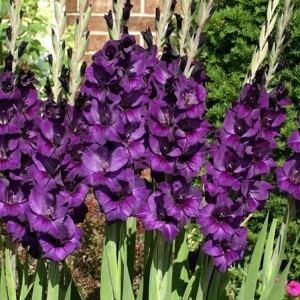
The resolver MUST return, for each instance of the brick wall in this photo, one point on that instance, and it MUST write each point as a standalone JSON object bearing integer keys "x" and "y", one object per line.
{"x": 142, "y": 17}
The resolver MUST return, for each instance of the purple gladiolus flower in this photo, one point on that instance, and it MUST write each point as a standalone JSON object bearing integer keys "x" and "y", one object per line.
{"x": 120, "y": 204}
{"x": 181, "y": 200}
{"x": 10, "y": 154}
{"x": 100, "y": 161}
{"x": 8, "y": 90}
{"x": 288, "y": 177}
{"x": 154, "y": 215}
{"x": 58, "y": 249}
{"x": 220, "y": 219}
{"x": 227, "y": 251}
{"x": 13, "y": 198}
{"x": 294, "y": 141}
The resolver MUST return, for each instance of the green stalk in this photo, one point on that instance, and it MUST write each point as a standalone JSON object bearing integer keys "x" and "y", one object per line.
{"x": 10, "y": 269}
{"x": 53, "y": 282}
{"x": 160, "y": 282}
{"x": 180, "y": 278}
{"x": 115, "y": 276}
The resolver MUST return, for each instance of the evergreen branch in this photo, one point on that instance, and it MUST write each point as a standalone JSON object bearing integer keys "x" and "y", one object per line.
{"x": 80, "y": 46}
{"x": 260, "y": 52}
{"x": 58, "y": 46}
{"x": 280, "y": 41}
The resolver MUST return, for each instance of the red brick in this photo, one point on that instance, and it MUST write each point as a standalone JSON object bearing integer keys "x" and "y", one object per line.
{"x": 96, "y": 42}
{"x": 150, "y": 6}
{"x": 71, "y": 5}
{"x": 97, "y": 23}
{"x": 101, "y": 6}
{"x": 136, "y": 6}
{"x": 140, "y": 23}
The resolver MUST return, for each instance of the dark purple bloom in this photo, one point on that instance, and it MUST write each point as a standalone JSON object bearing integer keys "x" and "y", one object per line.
{"x": 161, "y": 120}
{"x": 105, "y": 121}
{"x": 100, "y": 161}
{"x": 190, "y": 132}
{"x": 8, "y": 90}
{"x": 227, "y": 251}
{"x": 154, "y": 215}
{"x": 163, "y": 154}
{"x": 58, "y": 249}
{"x": 10, "y": 154}
{"x": 13, "y": 198}
{"x": 220, "y": 219}
{"x": 47, "y": 211}
{"x": 190, "y": 162}
{"x": 190, "y": 98}
{"x": 255, "y": 194}
{"x": 288, "y": 177}
{"x": 294, "y": 141}
{"x": 120, "y": 204}
{"x": 227, "y": 168}
{"x": 54, "y": 139}
{"x": 182, "y": 200}
{"x": 9, "y": 120}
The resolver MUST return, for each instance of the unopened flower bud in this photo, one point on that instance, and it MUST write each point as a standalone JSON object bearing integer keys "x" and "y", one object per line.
{"x": 50, "y": 59}
{"x": 179, "y": 20}
{"x": 70, "y": 52}
{"x": 22, "y": 48}
{"x": 109, "y": 19}
{"x": 147, "y": 36}
{"x": 157, "y": 14}
{"x": 9, "y": 32}
{"x": 126, "y": 10}
{"x": 83, "y": 68}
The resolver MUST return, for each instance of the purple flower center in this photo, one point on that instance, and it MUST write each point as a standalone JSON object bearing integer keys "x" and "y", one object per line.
{"x": 188, "y": 99}
{"x": 225, "y": 245}
{"x": 3, "y": 155}
{"x": 11, "y": 197}
{"x": 295, "y": 176}
{"x": 181, "y": 197}
{"x": 57, "y": 139}
{"x": 7, "y": 85}
{"x": 110, "y": 52}
{"x": 4, "y": 119}
{"x": 230, "y": 167}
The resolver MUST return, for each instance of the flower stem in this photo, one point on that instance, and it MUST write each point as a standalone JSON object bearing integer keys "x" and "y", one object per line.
{"x": 160, "y": 275}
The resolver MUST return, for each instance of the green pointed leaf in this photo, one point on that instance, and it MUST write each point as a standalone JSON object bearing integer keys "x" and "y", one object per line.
{"x": 180, "y": 266}
{"x": 267, "y": 266}
{"x": 253, "y": 271}
{"x": 9, "y": 274}
{"x": 53, "y": 281}
{"x": 39, "y": 281}
{"x": 3, "y": 290}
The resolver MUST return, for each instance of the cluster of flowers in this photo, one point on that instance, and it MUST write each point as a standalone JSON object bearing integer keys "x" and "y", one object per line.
{"x": 115, "y": 98}
{"x": 136, "y": 117}
{"x": 144, "y": 116}
{"x": 240, "y": 158}
{"x": 288, "y": 177}
{"x": 41, "y": 196}
{"x": 177, "y": 146}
